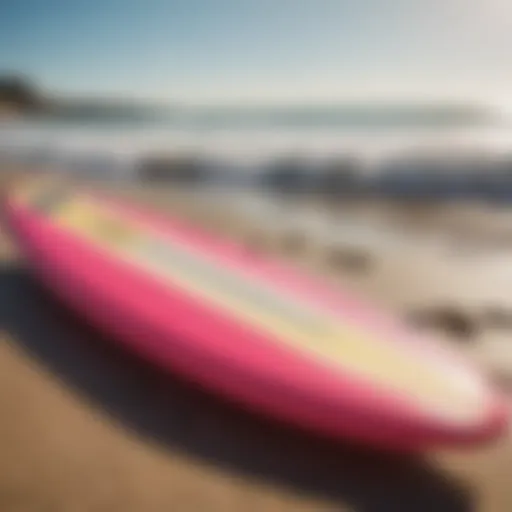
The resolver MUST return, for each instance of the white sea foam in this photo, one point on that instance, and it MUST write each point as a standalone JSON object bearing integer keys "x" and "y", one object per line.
{"x": 244, "y": 149}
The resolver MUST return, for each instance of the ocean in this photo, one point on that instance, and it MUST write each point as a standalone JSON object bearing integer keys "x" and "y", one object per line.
{"x": 248, "y": 138}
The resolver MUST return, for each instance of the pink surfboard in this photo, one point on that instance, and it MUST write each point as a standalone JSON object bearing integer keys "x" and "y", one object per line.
{"x": 247, "y": 328}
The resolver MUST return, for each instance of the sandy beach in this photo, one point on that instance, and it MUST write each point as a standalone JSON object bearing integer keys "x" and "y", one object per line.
{"x": 86, "y": 427}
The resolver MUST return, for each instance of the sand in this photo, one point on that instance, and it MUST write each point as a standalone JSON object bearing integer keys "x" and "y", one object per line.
{"x": 86, "y": 427}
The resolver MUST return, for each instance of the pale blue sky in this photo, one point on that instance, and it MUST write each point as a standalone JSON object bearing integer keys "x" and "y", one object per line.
{"x": 238, "y": 50}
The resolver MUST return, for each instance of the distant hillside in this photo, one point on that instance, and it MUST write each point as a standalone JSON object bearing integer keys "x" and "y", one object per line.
{"x": 18, "y": 95}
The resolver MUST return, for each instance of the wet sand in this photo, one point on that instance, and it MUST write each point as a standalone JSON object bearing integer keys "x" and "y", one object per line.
{"x": 86, "y": 427}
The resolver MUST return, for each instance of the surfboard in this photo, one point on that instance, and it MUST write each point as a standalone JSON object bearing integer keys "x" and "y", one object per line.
{"x": 248, "y": 328}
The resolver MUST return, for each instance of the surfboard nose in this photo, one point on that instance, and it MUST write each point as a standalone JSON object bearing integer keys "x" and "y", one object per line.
{"x": 495, "y": 425}
{"x": 498, "y": 422}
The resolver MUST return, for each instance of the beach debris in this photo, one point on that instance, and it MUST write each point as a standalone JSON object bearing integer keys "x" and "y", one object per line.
{"x": 494, "y": 354}
{"x": 172, "y": 168}
{"x": 256, "y": 241}
{"x": 287, "y": 175}
{"x": 351, "y": 259}
{"x": 499, "y": 317}
{"x": 339, "y": 178}
{"x": 293, "y": 243}
{"x": 452, "y": 320}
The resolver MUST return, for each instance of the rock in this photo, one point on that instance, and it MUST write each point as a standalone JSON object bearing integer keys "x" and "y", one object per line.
{"x": 494, "y": 354}
{"x": 293, "y": 243}
{"x": 451, "y": 320}
{"x": 182, "y": 169}
{"x": 498, "y": 317}
{"x": 350, "y": 259}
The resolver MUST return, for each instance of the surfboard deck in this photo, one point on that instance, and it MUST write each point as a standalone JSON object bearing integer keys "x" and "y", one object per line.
{"x": 247, "y": 328}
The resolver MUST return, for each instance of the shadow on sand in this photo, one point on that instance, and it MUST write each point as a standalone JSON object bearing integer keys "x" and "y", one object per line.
{"x": 180, "y": 418}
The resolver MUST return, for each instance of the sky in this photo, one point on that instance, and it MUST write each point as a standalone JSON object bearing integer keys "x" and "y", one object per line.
{"x": 210, "y": 51}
